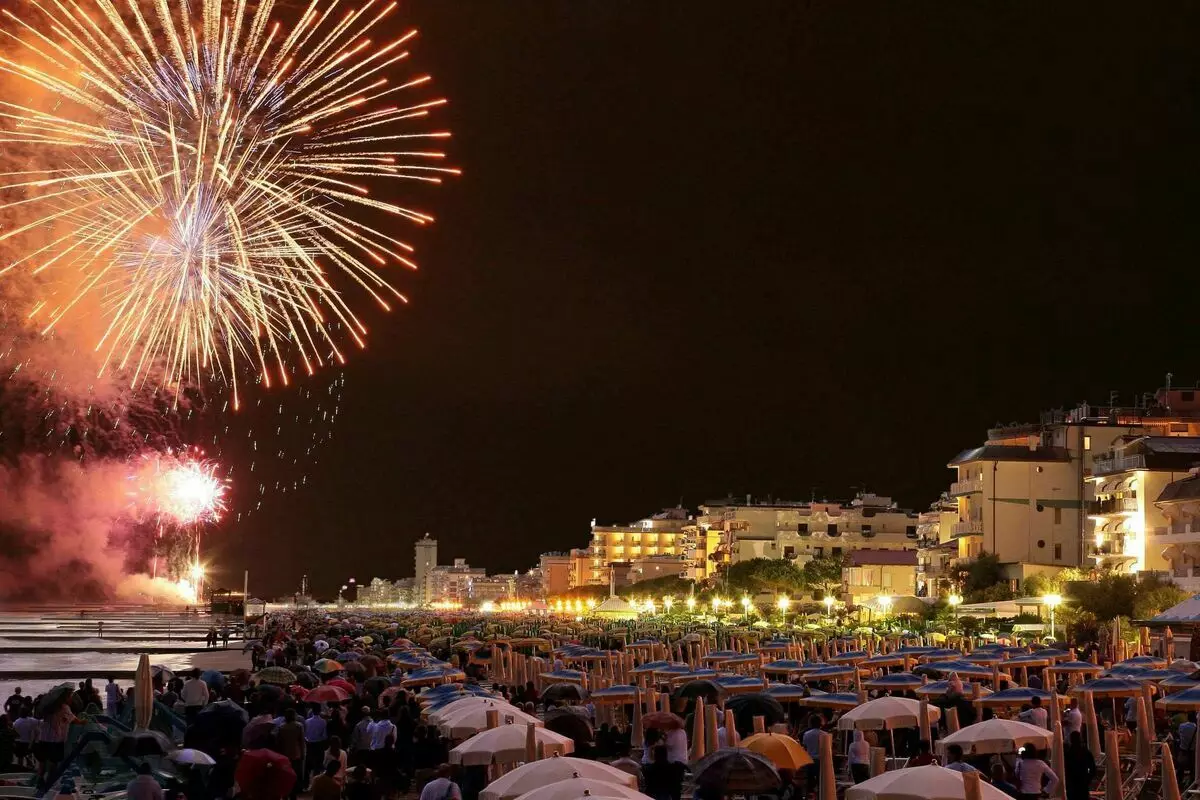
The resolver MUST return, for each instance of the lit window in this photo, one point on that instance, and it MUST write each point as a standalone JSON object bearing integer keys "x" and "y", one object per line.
{"x": 1087, "y": 443}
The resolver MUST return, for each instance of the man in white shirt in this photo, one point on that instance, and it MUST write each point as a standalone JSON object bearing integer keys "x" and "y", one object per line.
{"x": 1073, "y": 719}
{"x": 112, "y": 697}
{"x": 1036, "y": 715}
{"x": 380, "y": 730}
{"x": 441, "y": 787}
{"x": 26, "y": 728}
{"x": 677, "y": 747}
{"x": 195, "y": 696}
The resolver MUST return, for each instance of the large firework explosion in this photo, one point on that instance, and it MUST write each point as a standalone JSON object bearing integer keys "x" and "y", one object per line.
{"x": 204, "y": 175}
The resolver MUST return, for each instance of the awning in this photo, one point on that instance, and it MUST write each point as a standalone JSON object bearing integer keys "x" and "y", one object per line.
{"x": 1171, "y": 552}
{"x": 1192, "y": 551}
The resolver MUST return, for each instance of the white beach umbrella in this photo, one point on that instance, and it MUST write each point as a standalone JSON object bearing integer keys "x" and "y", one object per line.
{"x": 919, "y": 783}
{"x": 536, "y": 774}
{"x": 506, "y": 745}
{"x": 998, "y": 736}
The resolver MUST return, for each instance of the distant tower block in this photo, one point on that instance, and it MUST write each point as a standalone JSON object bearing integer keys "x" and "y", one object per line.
{"x": 426, "y": 551}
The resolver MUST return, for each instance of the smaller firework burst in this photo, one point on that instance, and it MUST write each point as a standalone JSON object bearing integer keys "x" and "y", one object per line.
{"x": 183, "y": 489}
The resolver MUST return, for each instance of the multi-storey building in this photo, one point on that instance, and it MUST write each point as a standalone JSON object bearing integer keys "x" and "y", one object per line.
{"x": 936, "y": 548}
{"x": 668, "y": 543}
{"x": 1179, "y": 503}
{"x": 453, "y": 583}
{"x": 490, "y": 588}
{"x": 555, "y": 573}
{"x": 425, "y": 561}
{"x": 871, "y": 573}
{"x": 1126, "y": 482}
{"x": 1023, "y": 494}
{"x": 802, "y": 531}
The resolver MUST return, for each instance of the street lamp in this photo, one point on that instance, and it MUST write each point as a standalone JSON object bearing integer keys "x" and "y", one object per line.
{"x": 954, "y": 600}
{"x": 829, "y": 601}
{"x": 1052, "y": 600}
{"x": 745, "y": 605}
{"x": 691, "y": 603}
{"x": 783, "y": 603}
{"x": 668, "y": 601}
{"x": 716, "y": 604}
{"x": 885, "y": 603}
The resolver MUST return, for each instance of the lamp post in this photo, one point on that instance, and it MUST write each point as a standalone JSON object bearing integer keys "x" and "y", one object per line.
{"x": 667, "y": 602}
{"x": 783, "y": 604}
{"x": 690, "y": 603}
{"x": 1052, "y": 600}
{"x": 746, "y": 606}
{"x": 829, "y": 601}
{"x": 954, "y": 600}
{"x": 885, "y": 603}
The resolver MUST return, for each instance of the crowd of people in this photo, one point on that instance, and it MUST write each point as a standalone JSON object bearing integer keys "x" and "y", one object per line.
{"x": 375, "y": 745}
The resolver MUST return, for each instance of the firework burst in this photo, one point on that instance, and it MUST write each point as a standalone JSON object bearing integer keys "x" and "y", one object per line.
{"x": 202, "y": 184}
{"x": 183, "y": 490}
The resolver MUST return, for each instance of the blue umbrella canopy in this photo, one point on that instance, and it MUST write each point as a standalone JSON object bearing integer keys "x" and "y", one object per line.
{"x": 829, "y": 673}
{"x": 896, "y": 680}
{"x": 1016, "y": 696}
{"x": 831, "y": 700}
{"x": 851, "y": 657}
{"x": 786, "y": 692}
{"x": 961, "y": 668}
{"x": 1187, "y": 700}
{"x": 1081, "y": 667}
{"x": 652, "y": 666}
{"x": 1109, "y": 687}
{"x": 783, "y": 665}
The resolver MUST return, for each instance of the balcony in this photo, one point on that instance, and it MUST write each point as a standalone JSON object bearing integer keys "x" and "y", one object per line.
{"x": 960, "y": 488}
{"x": 1115, "y": 505}
{"x": 967, "y": 528}
{"x": 1108, "y": 465}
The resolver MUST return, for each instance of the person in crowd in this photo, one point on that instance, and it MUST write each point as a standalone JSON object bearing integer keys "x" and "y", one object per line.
{"x": 315, "y": 742}
{"x": 664, "y": 777}
{"x": 1185, "y": 742}
{"x": 859, "y": 757}
{"x": 360, "y": 737}
{"x": 52, "y": 739}
{"x": 26, "y": 728}
{"x": 1000, "y": 781}
{"x": 441, "y": 787}
{"x": 924, "y": 756}
{"x": 1072, "y": 719}
{"x": 1080, "y": 767}
{"x": 143, "y": 786}
{"x": 954, "y": 759}
{"x": 289, "y": 742}
{"x": 1034, "y": 776}
{"x": 326, "y": 786}
{"x": 14, "y": 703}
{"x": 195, "y": 696}
{"x": 335, "y": 753}
{"x": 360, "y": 784}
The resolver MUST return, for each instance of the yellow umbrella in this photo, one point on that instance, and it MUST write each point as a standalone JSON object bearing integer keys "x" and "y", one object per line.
{"x": 783, "y": 751}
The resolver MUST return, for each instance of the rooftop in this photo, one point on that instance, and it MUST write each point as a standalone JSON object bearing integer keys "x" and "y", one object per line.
{"x": 1183, "y": 489}
{"x": 1175, "y": 453}
{"x": 1005, "y": 452}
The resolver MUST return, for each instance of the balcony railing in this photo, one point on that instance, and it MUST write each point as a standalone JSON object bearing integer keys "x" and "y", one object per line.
{"x": 1115, "y": 505}
{"x": 967, "y": 528}
{"x": 959, "y": 488}
{"x": 1106, "y": 465}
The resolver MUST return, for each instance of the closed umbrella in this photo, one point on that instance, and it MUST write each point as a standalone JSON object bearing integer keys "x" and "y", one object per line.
{"x": 735, "y": 770}
{"x": 143, "y": 693}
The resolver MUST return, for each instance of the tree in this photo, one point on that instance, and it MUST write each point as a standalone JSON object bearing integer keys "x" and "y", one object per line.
{"x": 823, "y": 576}
{"x": 673, "y": 585}
{"x": 984, "y": 573}
{"x": 764, "y": 575}
{"x": 1108, "y": 597}
{"x": 1155, "y": 596}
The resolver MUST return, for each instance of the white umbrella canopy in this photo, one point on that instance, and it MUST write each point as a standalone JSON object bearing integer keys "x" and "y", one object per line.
{"x": 998, "y": 736}
{"x": 576, "y": 787}
{"x": 458, "y": 706}
{"x": 919, "y": 783}
{"x": 886, "y": 713}
{"x": 537, "y": 774}
{"x": 471, "y": 720}
{"x": 506, "y": 745}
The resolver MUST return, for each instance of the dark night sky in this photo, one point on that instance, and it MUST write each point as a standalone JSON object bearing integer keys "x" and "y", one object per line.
{"x": 705, "y": 247}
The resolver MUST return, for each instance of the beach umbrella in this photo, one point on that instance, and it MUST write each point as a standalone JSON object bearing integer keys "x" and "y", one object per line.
{"x": 894, "y": 681}
{"x": 160, "y": 674}
{"x": 1149, "y": 662}
{"x": 783, "y": 666}
{"x": 1178, "y": 683}
{"x": 214, "y": 678}
{"x": 783, "y": 751}
{"x": 564, "y": 693}
{"x": 998, "y": 736}
{"x": 140, "y": 743}
{"x": 507, "y": 744}
{"x": 737, "y": 684}
{"x": 263, "y": 773}
{"x": 735, "y": 770}
{"x": 619, "y": 694}
{"x": 1106, "y": 688}
{"x": 1015, "y": 697}
{"x": 258, "y": 732}
{"x": 829, "y": 673}
{"x": 883, "y": 660}
{"x": 277, "y": 676}
{"x": 1077, "y": 668}
{"x": 469, "y": 721}
{"x": 459, "y": 704}
{"x": 851, "y": 657}
{"x": 940, "y": 688}
{"x": 886, "y": 713}
{"x": 191, "y": 757}
{"x": 1187, "y": 700}
{"x": 919, "y": 783}
{"x": 786, "y": 692}
{"x": 575, "y": 788}
{"x": 843, "y": 700}
{"x": 746, "y": 707}
{"x": 543, "y": 772}
{"x": 327, "y": 694}
{"x": 222, "y": 721}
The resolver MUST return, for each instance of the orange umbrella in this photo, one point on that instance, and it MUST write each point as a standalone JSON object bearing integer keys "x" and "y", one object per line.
{"x": 783, "y": 751}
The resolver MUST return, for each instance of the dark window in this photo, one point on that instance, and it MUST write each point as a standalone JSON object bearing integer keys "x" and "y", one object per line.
{"x": 789, "y": 552}
{"x": 818, "y": 552}
{"x": 831, "y": 529}
{"x": 1041, "y": 542}
{"x": 910, "y": 531}
{"x": 866, "y": 529}
{"x": 1057, "y": 515}
{"x": 1058, "y": 552}
{"x": 836, "y": 552}
{"x": 802, "y": 527}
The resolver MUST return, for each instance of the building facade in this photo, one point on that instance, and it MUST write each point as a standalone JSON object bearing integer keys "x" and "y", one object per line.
{"x": 555, "y": 574}
{"x": 425, "y": 561}
{"x": 937, "y": 548}
{"x": 454, "y": 583}
{"x": 1179, "y": 503}
{"x": 871, "y": 573}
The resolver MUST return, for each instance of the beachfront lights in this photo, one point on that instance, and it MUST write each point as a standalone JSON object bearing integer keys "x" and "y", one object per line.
{"x": 954, "y": 599}
{"x": 885, "y": 601}
{"x": 783, "y": 603}
{"x": 828, "y": 601}
{"x": 668, "y": 601}
{"x": 691, "y": 604}
{"x": 1052, "y": 600}
{"x": 746, "y": 604}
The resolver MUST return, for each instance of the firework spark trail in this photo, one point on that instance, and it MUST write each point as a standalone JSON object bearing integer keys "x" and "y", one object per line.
{"x": 206, "y": 171}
